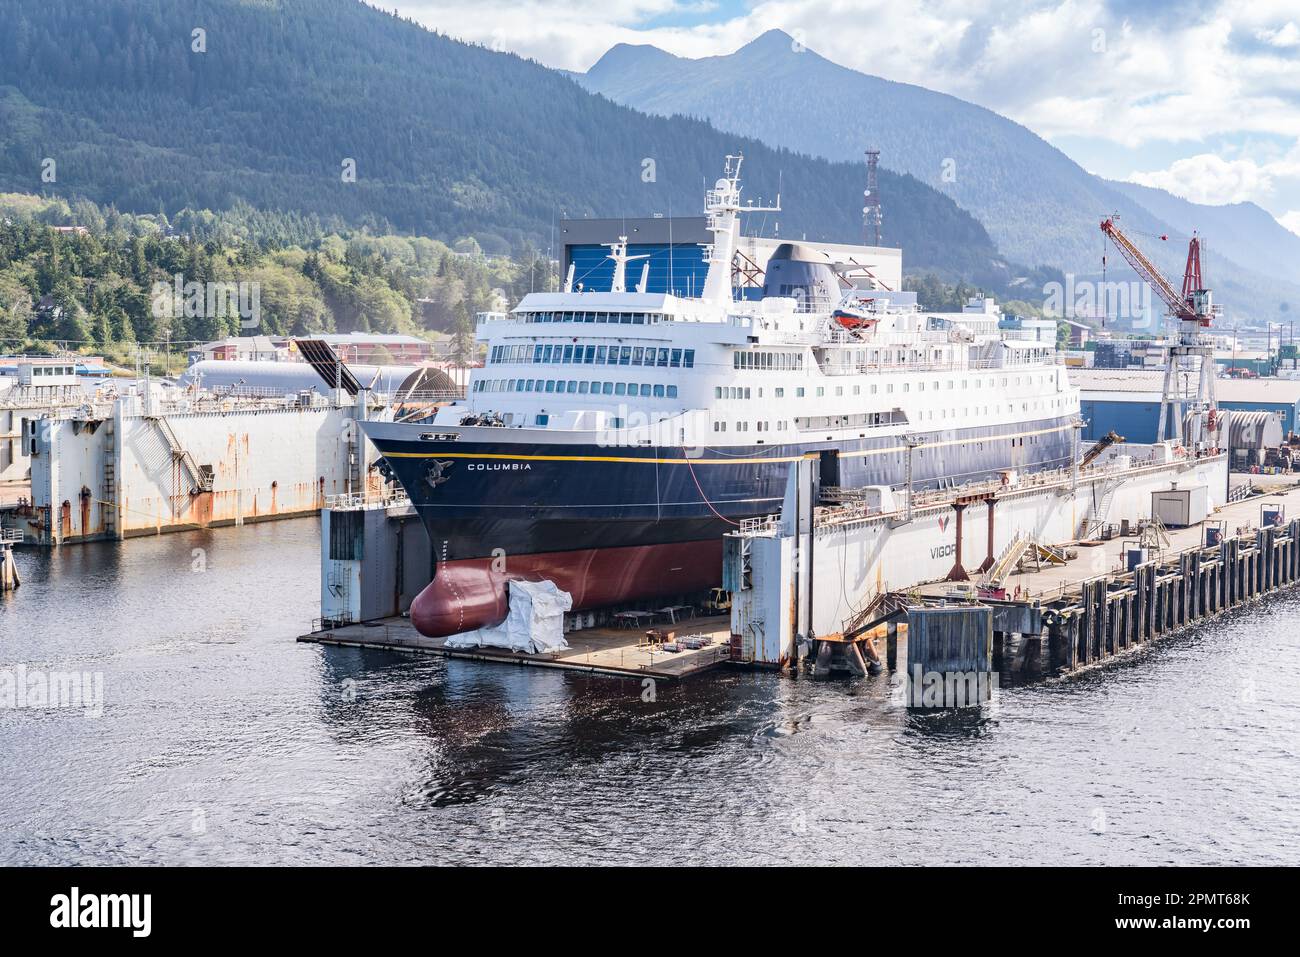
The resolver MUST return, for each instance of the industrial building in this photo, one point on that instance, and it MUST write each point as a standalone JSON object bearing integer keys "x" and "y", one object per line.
{"x": 1127, "y": 401}
{"x": 675, "y": 258}
{"x": 364, "y": 348}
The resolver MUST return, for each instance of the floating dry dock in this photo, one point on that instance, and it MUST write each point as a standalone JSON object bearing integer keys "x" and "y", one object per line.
{"x": 949, "y": 579}
{"x": 619, "y": 652}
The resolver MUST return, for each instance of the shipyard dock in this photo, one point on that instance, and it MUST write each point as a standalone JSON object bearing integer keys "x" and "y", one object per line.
{"x": 1035, "y": 578}
{"x": 615, "y": 652}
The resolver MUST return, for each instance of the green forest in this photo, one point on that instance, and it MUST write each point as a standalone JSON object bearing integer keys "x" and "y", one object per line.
{"x": 86, "y": 277}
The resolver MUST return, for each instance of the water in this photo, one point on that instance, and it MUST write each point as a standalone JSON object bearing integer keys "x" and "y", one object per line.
{"x": 224, "y": 741}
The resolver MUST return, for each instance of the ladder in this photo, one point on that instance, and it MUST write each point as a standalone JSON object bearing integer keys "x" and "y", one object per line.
{"x": 1010, "y": 556}
{"x": 200, "y": 477}
{"x": 1092, "y": 525}
{"x": 108, "y": 484}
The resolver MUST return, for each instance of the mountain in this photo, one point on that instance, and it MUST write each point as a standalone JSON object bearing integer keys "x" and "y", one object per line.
{"x": 1039, "y": 206}
{"x": 1240, "y": 232}
{"x": 331, "y": 108}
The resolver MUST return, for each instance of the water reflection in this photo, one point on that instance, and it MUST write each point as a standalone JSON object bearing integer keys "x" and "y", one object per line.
{"x": 1181, "y": 753}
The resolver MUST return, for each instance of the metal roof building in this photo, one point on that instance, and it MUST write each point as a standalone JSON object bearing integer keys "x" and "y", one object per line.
{"x": 1127, "y": 401}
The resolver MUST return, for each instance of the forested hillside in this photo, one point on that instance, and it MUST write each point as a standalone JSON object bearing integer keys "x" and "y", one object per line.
{"x": 334, "y": 110}
{"x": 92, "y": 286}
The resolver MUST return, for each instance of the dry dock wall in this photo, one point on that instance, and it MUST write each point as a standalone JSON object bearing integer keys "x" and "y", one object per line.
{"x": 852, "y": 562}
{"x": 127, "y": 473}
{"x": 14, "y": 460}
{"x": 375, "y": 559}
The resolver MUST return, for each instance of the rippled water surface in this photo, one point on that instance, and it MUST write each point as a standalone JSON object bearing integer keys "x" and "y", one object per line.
{"x": 224, "y": 741}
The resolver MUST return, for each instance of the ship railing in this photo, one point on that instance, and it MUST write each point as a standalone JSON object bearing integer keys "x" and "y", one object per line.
{"x": 761, "y": 525}
{"x": 11, "y": 536}
{"x": 959, "y": 365}
{"x": 353, "y": 501}
{"x": 423, "y": 397}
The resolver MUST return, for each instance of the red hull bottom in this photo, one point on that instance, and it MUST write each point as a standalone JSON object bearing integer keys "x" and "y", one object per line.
{"x": 469, "y": 594}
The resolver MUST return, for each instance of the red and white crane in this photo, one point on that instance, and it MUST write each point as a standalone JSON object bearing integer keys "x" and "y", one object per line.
{"x": 1194, "y": 308}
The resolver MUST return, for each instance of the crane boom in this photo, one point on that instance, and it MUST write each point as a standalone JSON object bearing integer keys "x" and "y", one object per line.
{"x": 1146, "y": 269}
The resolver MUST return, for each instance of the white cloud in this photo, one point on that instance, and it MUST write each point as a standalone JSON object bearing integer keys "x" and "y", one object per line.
{"x": 1287, "y": 36}
{"x": 1291, "y": 221}
{"x": 1211, "y": 178}
{"x": 1207, "y": 178}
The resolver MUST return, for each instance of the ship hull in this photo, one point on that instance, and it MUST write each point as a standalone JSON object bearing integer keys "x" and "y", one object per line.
{"x": 618, "y": 524}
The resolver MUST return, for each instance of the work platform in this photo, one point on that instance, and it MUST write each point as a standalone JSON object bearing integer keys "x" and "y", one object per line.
{"x": 1095, "y": 559}
{"x": 620, "y": 652}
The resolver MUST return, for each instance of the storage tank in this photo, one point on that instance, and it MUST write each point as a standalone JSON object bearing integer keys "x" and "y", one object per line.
{"x": 286, "y": 378}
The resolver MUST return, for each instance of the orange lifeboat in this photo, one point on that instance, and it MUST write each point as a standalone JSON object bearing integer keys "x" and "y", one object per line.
{"x": 853, "y": 318}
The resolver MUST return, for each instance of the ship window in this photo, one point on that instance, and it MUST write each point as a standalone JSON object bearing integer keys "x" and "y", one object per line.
{"x": 638, "y": 353}
{"x": 550, "y": 385}
{"x": 582, "y": 388}
{"x": 607, "y": 388}
{"x": 780, "y": 392}
{"x": 672, "y": 392}
{"x": 799, "y": 392}
{"x": 620, "y": 388}
{"x": 542, "y": 419}
{"x": 645, "y": 390}
{"x": 676, "y": 358}
{"x": 821, "y": 391}
{"x": 626, "y": 356}
{"x": 659, "y": 392}
{"x": 568, "y": 353}
{"x": 663, "y": 357}
{"x": 717, "y": 392}
{"x": 573, "y": 386}
{"x": 631, "y": 388}
{"x": 688, "y": 358}
{"x": 529, "y": 386}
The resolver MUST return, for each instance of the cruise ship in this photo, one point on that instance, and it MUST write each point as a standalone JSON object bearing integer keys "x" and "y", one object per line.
{"x": 613, "y": 437}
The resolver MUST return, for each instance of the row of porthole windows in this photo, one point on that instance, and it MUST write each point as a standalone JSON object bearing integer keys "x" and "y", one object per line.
{"x": 735, "y": 392}
{"x": 744, "y": 426}
{"x": 596, "y": 355}
{"x": 578, "y": 387}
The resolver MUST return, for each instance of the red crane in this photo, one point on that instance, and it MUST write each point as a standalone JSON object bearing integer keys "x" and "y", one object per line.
{"x": 1194, "y": 304}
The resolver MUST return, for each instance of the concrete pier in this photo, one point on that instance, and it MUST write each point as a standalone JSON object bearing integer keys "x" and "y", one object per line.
{"x": 8, "y": 568}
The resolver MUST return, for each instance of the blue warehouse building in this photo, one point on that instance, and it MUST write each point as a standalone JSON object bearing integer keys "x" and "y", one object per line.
{"x": 1127, "y": 401}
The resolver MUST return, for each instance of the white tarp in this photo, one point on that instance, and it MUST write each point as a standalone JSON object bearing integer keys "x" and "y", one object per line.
{"x": 534, "y": 624}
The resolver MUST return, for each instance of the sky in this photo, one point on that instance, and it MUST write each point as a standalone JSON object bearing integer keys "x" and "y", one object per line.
{"x": 1199, "y": 98}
